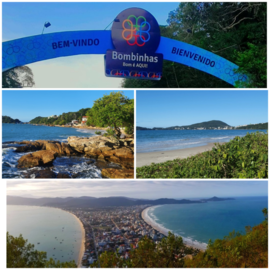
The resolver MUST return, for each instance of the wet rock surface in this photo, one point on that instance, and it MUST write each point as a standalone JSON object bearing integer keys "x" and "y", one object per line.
{"x": 39, "y": 158}
{"x": 115, "y": 157}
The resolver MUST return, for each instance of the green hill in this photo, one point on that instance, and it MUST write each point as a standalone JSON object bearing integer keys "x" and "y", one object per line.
{"x": 9, "y": 120}
{"x": 62, "y": 119}
{"x": 207, "y": 125}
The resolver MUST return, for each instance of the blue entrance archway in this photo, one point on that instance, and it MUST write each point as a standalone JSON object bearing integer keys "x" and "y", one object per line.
{"x": 23, "y": 51}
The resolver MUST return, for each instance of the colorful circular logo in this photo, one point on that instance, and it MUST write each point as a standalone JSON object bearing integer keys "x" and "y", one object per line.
{"x": 135, "y": 30}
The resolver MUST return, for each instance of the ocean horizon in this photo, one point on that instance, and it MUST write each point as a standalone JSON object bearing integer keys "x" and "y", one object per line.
{"x": 199, "y": 222}
{"x": 52, "y": 230}
{"x": 165, "y": 140}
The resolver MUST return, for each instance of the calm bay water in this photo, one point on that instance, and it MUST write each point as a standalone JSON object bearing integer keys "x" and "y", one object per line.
{"x": 18, "y": 132}
{"x": 211, "y": 220}
{"x": 162, "y": 140}
{"x": 77, "y": 167}
{"x": 58, "y": 232}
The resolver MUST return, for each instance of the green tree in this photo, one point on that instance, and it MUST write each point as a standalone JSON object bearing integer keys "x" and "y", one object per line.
{"x": 114, "y": 110}
{"x": 235, "y": 31}
{"x": 148, "y": 254}
{"x": 21, "y": 254}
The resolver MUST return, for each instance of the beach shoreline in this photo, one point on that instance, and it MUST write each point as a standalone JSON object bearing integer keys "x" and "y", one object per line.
{"x": 82, "y": 249}
{"x": 159, "y": 228}
{"x": 145, "y": 159}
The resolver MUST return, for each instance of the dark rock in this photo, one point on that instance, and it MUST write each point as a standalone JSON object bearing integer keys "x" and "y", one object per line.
{"x": 46, "y": 174}
{"x": 63, "y": 175}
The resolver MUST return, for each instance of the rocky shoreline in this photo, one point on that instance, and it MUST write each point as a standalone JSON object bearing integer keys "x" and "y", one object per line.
{"x": 115, "y": 157}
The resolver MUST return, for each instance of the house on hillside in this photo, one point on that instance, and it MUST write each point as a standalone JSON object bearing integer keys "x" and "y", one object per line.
{"x": 52, "y": 116}
{"x": 75, "y": 122}
{"x": 84, "y": 120}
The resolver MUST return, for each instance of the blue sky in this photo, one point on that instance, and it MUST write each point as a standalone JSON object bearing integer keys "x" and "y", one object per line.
{"x": 138, "y": 189}
{"x": 27, "y": 19}
{"x": 169, "y": 108}
{"x": 26, "y": 105}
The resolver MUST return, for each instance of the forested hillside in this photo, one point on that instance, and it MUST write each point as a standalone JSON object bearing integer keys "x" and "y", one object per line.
{"x": 63, "y": 119}
{"x": 233, "y": 30}
{"x": 255, "y": 126}
{"x": 9, "y": 120}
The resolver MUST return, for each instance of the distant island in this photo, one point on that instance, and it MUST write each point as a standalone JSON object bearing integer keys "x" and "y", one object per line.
{"x": 9, "y": 120}
{"x": 213, "y": 124}
{"x": 83, "y": 202}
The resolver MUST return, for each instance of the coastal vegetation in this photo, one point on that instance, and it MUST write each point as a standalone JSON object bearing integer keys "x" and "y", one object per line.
{"x": 233, "y": 251}
{"x": 255, "y": 126}
{"x": 62, "y": 119}
{"x": 242, "y": 157}
{"x": 114, "y": 110}
{"x": 235, "y": 31}
{"x": 148, "y": 254}
{"x": 21, "y": 254}
{"x": 9, "y": 120}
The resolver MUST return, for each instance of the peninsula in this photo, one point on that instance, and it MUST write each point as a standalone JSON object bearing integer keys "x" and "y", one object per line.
{"x": 9, "y": 120}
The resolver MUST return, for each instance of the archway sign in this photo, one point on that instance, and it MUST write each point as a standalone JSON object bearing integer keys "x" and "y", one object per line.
{"x": 132, "y": 49}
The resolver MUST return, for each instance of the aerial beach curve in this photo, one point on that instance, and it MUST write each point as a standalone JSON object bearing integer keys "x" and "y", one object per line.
{"x": 82, "y": 249}
{"x": 187, "y": 241}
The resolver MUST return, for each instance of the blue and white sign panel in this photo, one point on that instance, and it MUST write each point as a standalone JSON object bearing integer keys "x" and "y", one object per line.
{"x": 147, "y": 66}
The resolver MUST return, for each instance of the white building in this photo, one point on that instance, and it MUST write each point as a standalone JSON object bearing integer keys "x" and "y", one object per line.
{"x": 52, "y": 116}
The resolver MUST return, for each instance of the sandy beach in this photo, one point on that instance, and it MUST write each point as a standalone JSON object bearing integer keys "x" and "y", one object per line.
{"x": 82, "y": 249}
{"x": 144, "y": 159}
{"x": 188, "y": 242}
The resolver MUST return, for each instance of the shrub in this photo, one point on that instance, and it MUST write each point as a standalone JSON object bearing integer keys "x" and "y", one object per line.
{"x": 245, "y": 157}
{"x": 110, "y": 132}
{"x": 129, "y": 130}
{"x": 98, "y": 132}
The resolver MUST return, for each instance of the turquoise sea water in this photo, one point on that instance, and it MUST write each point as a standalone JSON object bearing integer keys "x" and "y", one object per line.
{"x": 42, "y": 225}
{"x": 77, "y": 167}
{"x": 162, "y": 140}
{"x": 211, "y": 220}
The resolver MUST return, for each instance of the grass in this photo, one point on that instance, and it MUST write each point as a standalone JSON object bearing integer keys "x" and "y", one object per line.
{"x": 245, "y": 157}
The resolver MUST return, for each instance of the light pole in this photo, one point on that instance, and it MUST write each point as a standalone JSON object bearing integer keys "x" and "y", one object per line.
{"x": 46, "y": 24}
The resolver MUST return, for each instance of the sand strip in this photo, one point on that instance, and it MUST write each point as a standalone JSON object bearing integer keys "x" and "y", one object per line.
{"x": 144, "y": 159}
{"x": 187, "y": 241}
{"x": 82, "y": 249}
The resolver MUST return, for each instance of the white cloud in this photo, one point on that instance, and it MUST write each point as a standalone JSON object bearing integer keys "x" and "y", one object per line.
{"x": 136, "y": 189}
